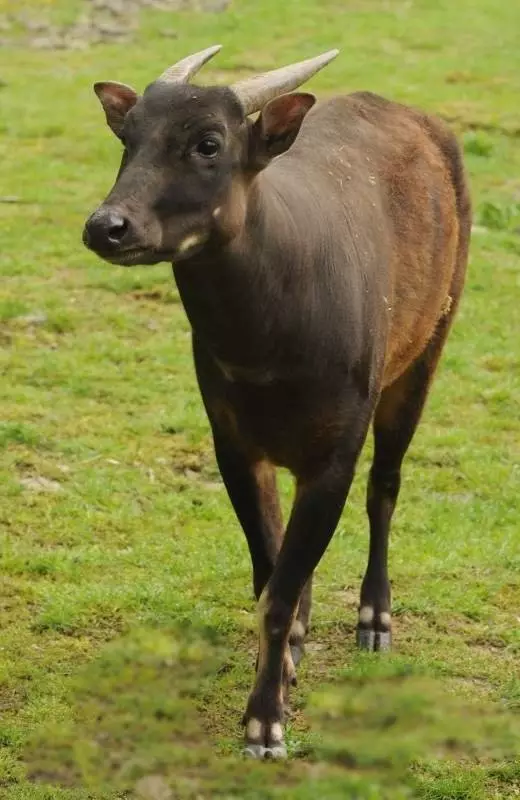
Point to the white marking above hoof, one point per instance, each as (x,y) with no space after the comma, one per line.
(297,630)
(254,729)
(276,734)
(366,615)
(385,619)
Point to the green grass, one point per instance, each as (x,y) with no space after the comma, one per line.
(127,626)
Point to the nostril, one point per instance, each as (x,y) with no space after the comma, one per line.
(107,231)
(118,227)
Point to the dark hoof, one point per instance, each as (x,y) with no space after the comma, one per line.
(276,753)
(374,629)
(365,639)
(261,753)
(373,641)
(297,653)
(383,641)
(255,751)
(264,741)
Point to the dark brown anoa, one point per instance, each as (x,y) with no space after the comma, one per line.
(320,255)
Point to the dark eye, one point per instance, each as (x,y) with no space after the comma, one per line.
(208,147)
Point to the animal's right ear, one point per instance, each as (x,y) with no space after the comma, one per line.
(117,99)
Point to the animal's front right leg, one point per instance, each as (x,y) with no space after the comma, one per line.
(251,486)
(253,491)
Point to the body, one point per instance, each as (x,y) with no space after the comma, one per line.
(346,264)
(320,273)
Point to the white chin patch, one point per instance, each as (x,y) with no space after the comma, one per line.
(191,241)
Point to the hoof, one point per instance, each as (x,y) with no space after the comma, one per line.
(365,639)
(276,753)
(373,641)
(264,741)
(260,753)
(255,751)
(297,652)
(373,631)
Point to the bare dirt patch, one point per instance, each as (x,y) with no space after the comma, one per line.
(98,22)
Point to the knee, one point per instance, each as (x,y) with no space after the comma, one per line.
(276,615)
(384,483)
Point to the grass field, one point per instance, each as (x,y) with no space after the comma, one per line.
(127,624)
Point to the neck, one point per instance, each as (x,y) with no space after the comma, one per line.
(245,298)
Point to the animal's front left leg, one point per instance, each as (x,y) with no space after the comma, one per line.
(254,494)
(314,517)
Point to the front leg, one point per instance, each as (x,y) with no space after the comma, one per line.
(250,481)
(252,488)
(316,512)
(251,485)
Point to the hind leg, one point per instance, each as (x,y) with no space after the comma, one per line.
(395,420)
(300,626)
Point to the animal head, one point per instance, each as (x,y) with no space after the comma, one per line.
(189,155)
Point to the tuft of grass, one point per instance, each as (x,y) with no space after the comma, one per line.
(18,433)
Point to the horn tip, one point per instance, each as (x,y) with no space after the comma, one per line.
(330,54)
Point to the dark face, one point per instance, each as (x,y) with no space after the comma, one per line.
(184,147)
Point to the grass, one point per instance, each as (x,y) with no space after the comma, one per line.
(126,618)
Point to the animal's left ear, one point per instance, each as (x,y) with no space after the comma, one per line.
(117,99)
(277,126)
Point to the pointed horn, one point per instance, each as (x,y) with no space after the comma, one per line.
(254,93)
(185,69)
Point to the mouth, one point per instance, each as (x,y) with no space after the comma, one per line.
(136,256)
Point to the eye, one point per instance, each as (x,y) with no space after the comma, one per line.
(209,147)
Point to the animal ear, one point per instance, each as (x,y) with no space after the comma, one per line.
(284,115)
(277,126)
(117,99)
